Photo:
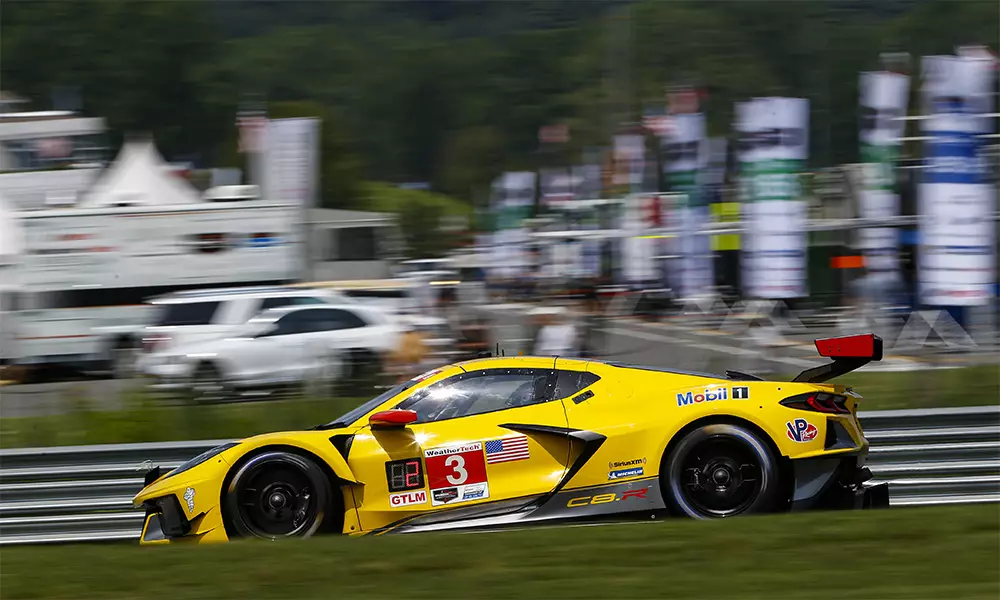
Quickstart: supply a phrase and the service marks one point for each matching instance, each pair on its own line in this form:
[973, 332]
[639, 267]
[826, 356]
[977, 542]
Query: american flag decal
[506, 450]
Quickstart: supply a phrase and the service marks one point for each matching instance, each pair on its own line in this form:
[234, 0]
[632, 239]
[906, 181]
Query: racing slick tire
[277, 494]
[720, 470]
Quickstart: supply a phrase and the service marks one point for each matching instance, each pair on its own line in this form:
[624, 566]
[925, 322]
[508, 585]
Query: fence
[84, 493]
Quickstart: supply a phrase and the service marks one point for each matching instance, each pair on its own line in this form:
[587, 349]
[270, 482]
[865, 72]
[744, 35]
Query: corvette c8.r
[497, 442]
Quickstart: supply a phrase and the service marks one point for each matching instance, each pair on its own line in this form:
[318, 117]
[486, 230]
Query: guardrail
[84, 493]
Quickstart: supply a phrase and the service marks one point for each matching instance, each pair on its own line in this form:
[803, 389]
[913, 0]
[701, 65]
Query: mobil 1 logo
[712, 394]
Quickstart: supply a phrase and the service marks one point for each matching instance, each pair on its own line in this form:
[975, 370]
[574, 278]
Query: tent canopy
[139, 177]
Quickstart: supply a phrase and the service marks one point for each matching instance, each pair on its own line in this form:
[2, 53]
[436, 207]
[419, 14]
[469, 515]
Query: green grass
[918, 553]
[148, 420]
[931, 388]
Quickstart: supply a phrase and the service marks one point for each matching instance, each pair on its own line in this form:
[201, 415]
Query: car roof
[273, 314]
[514, 361]
[207, 295]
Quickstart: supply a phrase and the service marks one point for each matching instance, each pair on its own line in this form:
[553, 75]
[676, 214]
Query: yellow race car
[497, 442]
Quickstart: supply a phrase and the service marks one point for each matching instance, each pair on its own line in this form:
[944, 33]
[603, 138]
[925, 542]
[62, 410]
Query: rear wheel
[720, 470]
[207, 385]
[360, 373]
[276, 495]
[123, 358]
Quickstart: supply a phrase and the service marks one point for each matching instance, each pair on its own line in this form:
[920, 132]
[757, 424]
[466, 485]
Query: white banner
[884, 98]
[774, 145]
[513, 199]
[639, 247]
[291, 154]
[557, 186]
[686, 158]
[956, 203]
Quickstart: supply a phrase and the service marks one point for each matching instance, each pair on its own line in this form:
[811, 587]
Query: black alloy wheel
[276, 495]
[719, 471]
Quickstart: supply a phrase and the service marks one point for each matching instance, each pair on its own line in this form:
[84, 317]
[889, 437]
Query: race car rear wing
[849, 352]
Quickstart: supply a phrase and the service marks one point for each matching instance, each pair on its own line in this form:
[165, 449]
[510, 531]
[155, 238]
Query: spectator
[556, 337]
[409, 358]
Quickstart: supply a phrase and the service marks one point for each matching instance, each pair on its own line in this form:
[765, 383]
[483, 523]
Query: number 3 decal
[459, 474]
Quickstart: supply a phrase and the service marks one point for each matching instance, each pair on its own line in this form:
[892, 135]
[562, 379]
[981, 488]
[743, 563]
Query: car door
[487, 442]
[273, 355]
[319, 343]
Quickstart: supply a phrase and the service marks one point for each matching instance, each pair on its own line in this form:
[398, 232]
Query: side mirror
[392, 419]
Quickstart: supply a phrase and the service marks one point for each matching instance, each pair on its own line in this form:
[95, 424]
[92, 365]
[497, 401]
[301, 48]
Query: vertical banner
[513, 198]
[957, 234]
[686, 157]
[630, 162]
[883, 104]
[776, 145]
[587, 186]
[291, 162]
[556, 187]
[639, 249]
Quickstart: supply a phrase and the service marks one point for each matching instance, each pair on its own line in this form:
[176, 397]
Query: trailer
[84, 275]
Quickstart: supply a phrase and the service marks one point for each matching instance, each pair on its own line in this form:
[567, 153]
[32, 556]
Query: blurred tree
[453, 92]
[135, 63]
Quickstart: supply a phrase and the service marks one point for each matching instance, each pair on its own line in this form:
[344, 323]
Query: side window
[480, 392]
[569, 383]
[289, 324]
[336, 320]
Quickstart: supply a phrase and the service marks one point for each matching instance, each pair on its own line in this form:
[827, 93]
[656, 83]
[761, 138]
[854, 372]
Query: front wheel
[720, 470]
[278, 494]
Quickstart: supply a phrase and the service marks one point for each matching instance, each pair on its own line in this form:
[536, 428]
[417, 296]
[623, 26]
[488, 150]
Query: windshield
[360, 411]
[188, 313]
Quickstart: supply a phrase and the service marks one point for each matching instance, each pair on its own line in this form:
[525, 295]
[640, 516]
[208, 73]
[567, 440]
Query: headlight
[204, 456]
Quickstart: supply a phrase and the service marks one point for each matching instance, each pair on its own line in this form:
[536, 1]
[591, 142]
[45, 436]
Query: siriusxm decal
[712, 394]
[623, 473]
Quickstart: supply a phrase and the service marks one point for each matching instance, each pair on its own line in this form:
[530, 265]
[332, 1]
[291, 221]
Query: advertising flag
[686, 157]
[883, 104]
[955, 201]
[773, 147]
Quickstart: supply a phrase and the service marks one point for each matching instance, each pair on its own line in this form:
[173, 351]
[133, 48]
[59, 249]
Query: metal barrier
[84, 493]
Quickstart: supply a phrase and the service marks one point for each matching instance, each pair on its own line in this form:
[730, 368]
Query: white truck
[84, 274]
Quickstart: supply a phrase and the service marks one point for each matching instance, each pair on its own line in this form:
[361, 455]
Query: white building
[47, 158]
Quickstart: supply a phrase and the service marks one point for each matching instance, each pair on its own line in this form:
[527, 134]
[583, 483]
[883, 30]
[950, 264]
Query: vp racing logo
[800, 431]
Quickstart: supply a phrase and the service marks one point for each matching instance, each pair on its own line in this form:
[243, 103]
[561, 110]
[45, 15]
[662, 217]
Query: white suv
[286, 345]
[186, 317]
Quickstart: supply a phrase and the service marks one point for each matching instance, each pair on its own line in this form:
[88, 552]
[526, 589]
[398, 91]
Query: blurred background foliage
[452, 92]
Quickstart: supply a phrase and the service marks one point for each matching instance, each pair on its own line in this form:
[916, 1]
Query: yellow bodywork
[637, 411]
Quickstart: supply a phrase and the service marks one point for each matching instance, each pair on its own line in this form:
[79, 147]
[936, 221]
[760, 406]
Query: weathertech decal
[457, 474]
